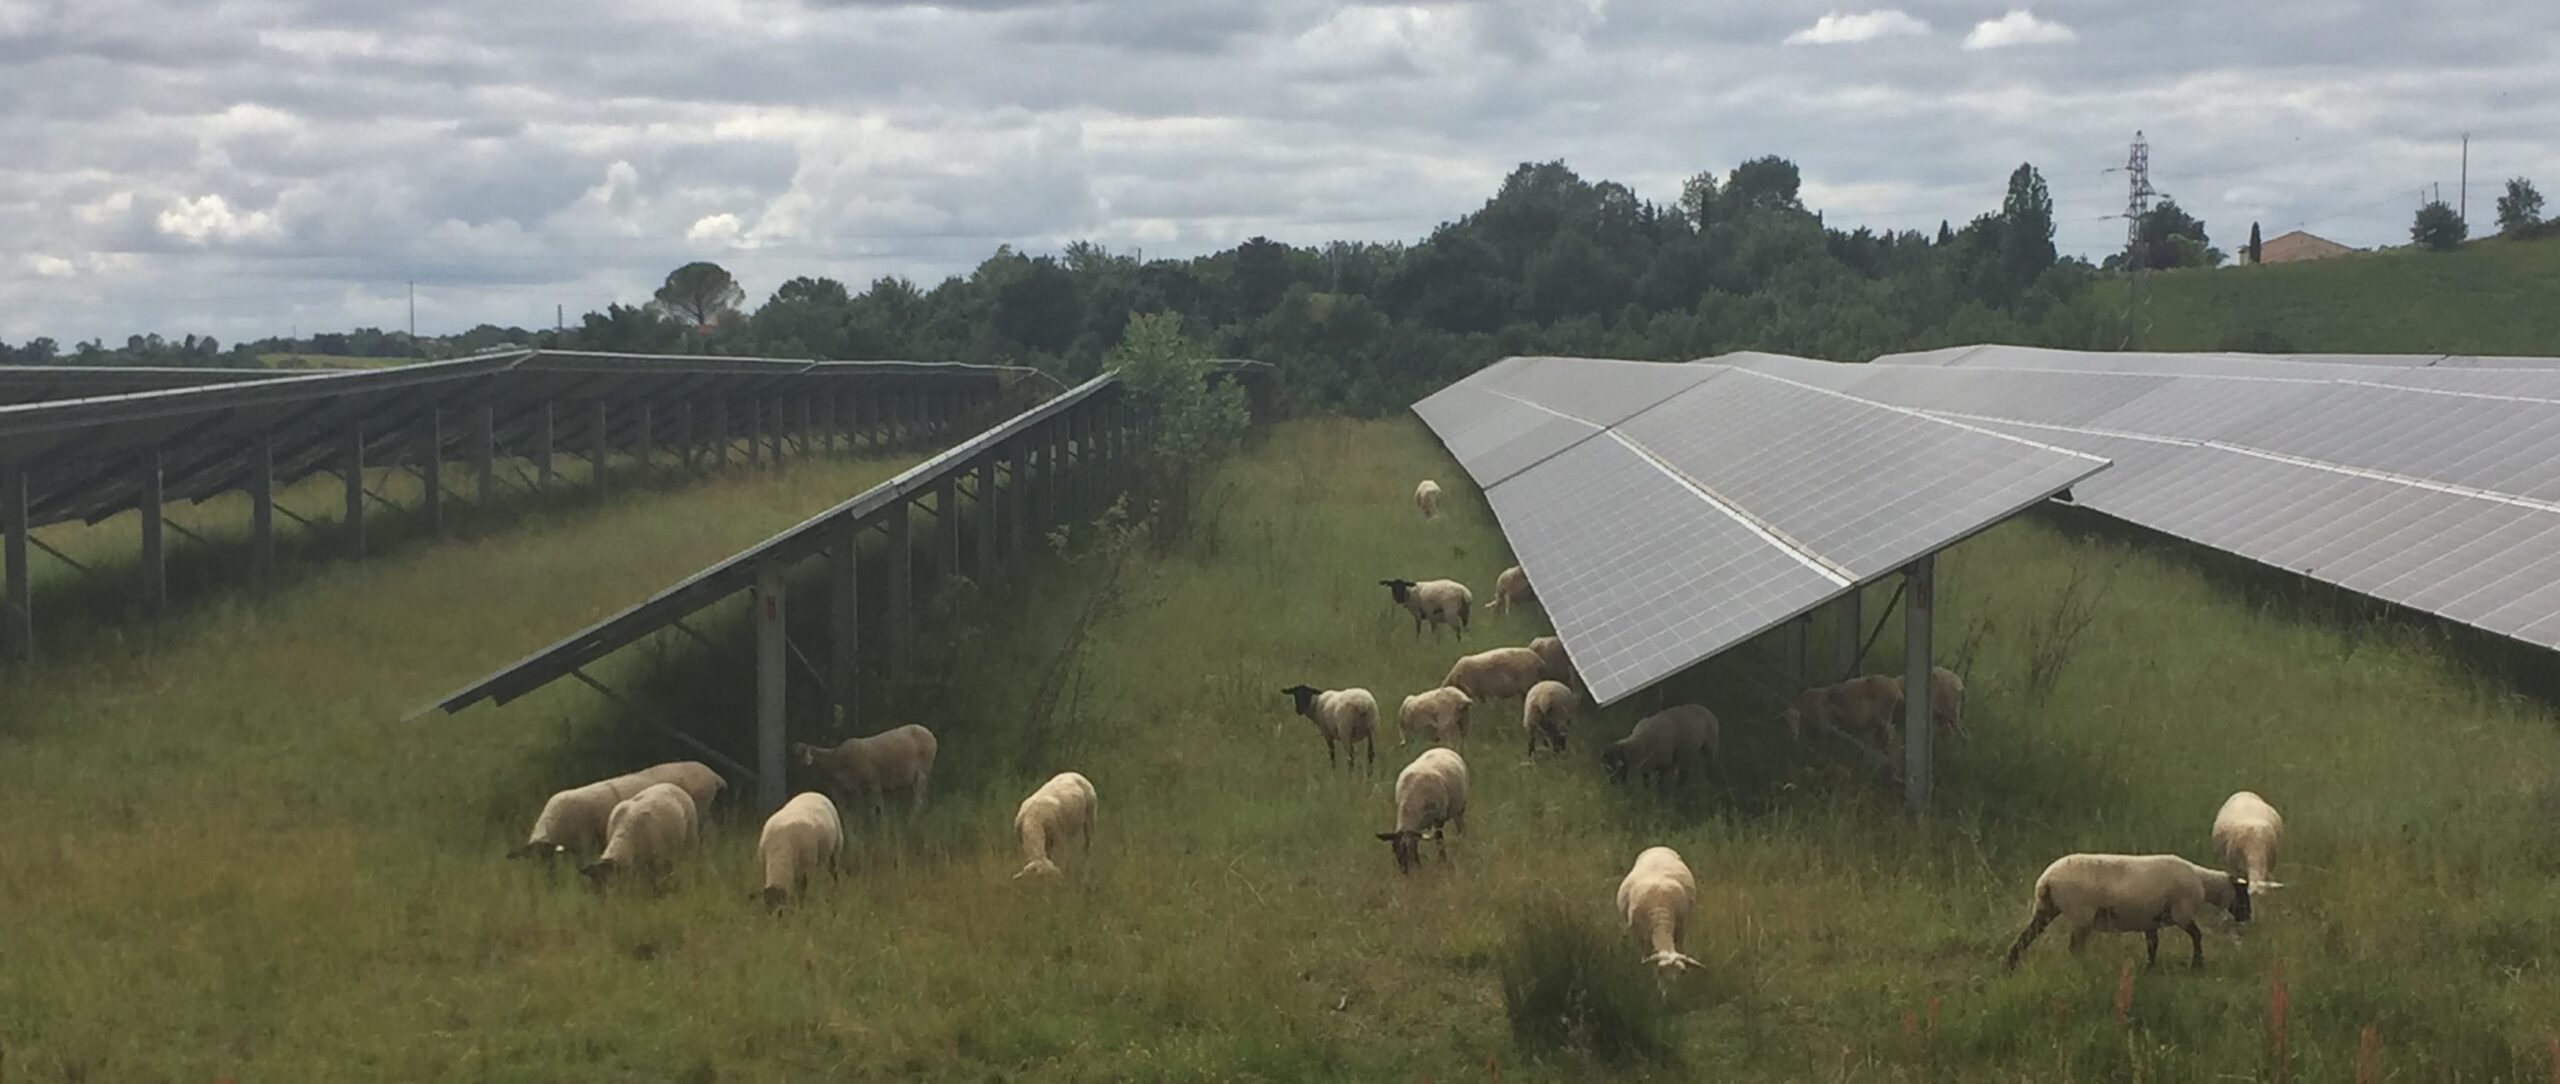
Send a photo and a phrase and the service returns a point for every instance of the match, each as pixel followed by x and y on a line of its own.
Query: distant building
pixel 2298 246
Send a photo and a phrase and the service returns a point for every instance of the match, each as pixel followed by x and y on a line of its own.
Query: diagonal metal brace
pixel 746 777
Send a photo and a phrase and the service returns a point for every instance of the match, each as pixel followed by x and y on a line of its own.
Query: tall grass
pixel 220 860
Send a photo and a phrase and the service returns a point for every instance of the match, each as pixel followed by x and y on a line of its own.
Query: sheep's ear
pixel 2265 886
pixel 1388 837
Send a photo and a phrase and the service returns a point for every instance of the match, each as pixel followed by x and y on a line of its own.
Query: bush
pixel 1570 983
pixel 2438 227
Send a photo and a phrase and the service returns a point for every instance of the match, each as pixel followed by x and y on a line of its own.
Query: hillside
pixel 211 877
pixel 2493 297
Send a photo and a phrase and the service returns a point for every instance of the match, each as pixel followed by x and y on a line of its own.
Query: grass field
pixel 2493 297
pixel 330 361
pixel 223 858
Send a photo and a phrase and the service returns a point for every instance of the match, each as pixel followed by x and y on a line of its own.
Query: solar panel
pixel 1715 502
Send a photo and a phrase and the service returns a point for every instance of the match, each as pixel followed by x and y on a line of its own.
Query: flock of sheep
pixel 644 821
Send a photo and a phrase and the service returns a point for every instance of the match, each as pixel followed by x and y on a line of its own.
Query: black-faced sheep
pixel 1062 809
pixel 2247 831
pixel 899 759
pixel 1346 716
pixel 2124 893
pixel 1667 744
pixel 1431 798
pixel 1436 602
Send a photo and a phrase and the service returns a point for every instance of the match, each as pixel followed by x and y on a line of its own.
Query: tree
pixel 2161 226
pixel 2520 210
pixel 1698 200
pixel 1195 419
pixel 1262 275
pixel 698 294
pixel 1946 236
pixel 2438 227
pixel 2026 215
pixel 1767 183
pixel 2257 248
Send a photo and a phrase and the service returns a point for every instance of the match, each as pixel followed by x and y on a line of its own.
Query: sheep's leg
pixel 923 784
pixel 2197 937
pixel 2080 936
pixel 1328 751
pixel 2026 937
pixel 1373 749
pixel 2151 947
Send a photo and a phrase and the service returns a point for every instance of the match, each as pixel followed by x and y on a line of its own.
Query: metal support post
pixel 262 506
pixel 431 468
pixel 720 435
pixel 902 585
pixel 1799 642
pixel 1846 626
pixel 17 605
pixel 684 436
pixel 542 466
pixel 1916 606
pixel 772 656
pixel 844 609
pixel 155 568
pixel 643 447
pixel 946 521
pixel 484 456
pixel 1017 500
pixel 987 519
pixel 352 471
pixel 602 447
pixel 755 432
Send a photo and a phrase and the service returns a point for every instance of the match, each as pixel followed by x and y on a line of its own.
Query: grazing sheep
pixel 1061 810
pixel 1558 665
pixel 2247 832
pixel 897 759
pixel 1946 700
pixel 1667 743
pixel 1655 901
pixel 1348 716
pixel 2124 893
pixel 1860 707
pixel 1431 796
pixel 1427 497
pixel 1440 602
pixel 803 835
pixel 1503 673
pixel 646 832
pixel 1510 590
pixel 1547 712
pixel 575 819
pixel 1439 715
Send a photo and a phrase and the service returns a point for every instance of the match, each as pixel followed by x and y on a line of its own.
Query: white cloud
pixel 2018 27
pixel 1838 29
pixel 210 218
pixel 47 265
pixel 720 230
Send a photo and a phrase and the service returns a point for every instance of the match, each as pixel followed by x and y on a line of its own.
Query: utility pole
pixel 559 318
pixel 2466 179
pixel 413 313
pixel 2137 207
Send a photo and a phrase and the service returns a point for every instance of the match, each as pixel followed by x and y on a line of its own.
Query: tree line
pixel 1551 263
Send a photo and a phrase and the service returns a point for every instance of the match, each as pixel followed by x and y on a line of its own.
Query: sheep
pixel 1946 700
pixel 897 759
pixel 1547 712
pixel 575 819
pixel 1062 809
pixel 1348 716
pixel 1440 715
pixel 1859 707
pixel 1667 743
pixel 1503 673
pixel 1439 602
pixel 1427 497
pixel 801 836
pixel 646 831
pixel 2247 832
pixel 1655 901
pixel 1558 665
pixel 1431 796
pixel 2123 893
pixel 1510 590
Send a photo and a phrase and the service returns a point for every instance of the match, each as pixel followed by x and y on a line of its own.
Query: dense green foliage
pixel 2439 227
pixel 2520 210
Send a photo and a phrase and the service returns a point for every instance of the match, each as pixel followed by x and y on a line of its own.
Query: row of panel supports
pixel 1849 649
pixel 774 429
pixel 1049 475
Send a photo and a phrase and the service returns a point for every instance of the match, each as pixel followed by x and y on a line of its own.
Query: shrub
pixel 1571 983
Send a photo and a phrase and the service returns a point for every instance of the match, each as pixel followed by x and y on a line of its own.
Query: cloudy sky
pixel 255 167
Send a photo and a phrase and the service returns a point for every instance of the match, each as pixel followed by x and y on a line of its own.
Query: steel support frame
pixel 1847 623
pixel 844 612
pixel 772 673
pixel 1918 603
pixel 351 472
pixel 262 506
pixel 17 586
pixel 155 565
pixel 902 586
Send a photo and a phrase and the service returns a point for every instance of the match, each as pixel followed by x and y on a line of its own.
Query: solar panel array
pixel 2427 484
pixel 1668 512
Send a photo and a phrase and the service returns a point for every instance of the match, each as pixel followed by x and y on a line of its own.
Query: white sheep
pixel 1504 673
pixel 1510 589
pixel 576 819
pixel 1547 712
pixel 1667 744
pixel 2125 893
pixel 1347 716
pixel 1427 497
pixel 2247 832
pixel 1861 707
pixel 1061 810
pixel 1946 700
pixel 1655 901
pixel 646 832
pixel 1559 664
pixel 896 759
pixel 1438 602
pixel 1431 797
pixel 803 835
pixel 1439 715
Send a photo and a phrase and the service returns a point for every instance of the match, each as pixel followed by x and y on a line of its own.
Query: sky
pixel 269 167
